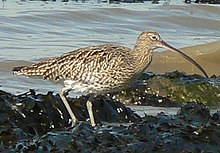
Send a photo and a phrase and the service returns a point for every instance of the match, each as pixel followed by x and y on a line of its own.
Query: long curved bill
pixel 166 46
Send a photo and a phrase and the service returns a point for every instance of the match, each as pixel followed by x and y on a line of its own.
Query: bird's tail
pixel 29 71
pixel 45 68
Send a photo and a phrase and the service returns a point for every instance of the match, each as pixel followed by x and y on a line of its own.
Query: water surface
pixel 34 30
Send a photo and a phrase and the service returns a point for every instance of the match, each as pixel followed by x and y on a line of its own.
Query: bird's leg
pixel 62 96
pixel 89 109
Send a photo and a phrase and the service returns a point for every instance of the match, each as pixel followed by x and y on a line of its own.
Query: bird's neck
pixel 142 55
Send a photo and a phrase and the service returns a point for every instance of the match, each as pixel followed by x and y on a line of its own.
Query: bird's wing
pixel 89 63
pixel 81 64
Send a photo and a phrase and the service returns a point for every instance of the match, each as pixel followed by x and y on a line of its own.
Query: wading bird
pixel 100 69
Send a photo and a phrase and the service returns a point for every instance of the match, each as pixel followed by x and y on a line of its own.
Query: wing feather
pixel 82 64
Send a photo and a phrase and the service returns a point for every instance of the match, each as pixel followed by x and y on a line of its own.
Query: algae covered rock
pixel 30 114
pixel 172 89
pixel 32 122
pixel 193 129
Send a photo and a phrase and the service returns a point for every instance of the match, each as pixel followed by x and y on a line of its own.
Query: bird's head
pixel 151 40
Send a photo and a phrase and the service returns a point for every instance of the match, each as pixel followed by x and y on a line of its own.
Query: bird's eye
pixel 153 37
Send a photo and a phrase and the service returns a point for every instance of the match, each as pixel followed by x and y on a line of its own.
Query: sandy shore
pixel 208 55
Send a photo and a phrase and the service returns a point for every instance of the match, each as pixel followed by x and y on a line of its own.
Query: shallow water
pixel 32 30
pixel 151 110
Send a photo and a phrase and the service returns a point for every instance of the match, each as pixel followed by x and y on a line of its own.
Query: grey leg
pixel 62 92
pixel 89 109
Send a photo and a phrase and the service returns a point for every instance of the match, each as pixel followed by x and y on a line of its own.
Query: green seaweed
pixel 174 87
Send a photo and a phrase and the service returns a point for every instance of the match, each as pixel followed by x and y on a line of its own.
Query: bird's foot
pixel 74 122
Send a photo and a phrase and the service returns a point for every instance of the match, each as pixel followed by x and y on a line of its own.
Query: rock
pixel 171 89
pixel 32 122
pixel 163 133
pixel 203 1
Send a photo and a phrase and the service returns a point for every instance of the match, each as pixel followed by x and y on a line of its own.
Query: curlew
pixel 100 69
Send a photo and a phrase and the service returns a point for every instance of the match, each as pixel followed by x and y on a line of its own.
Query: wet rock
pixel 208 1
pixel 163 133
pixel 198 112
pixel 203 1
pixel 32 122
pixel 171 89
pixel 29 115
pixel 38 113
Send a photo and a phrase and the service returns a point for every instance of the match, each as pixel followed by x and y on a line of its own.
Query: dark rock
pixel 203 1
pixel 32 122
pixel 155 2
pixel 38 113
pixel 163 133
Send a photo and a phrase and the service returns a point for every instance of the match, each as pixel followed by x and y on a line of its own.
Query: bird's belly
pixel 94 87
pixel 86 88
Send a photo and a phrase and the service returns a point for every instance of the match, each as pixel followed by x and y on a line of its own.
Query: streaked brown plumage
pixel 100 69
pixel 100 66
